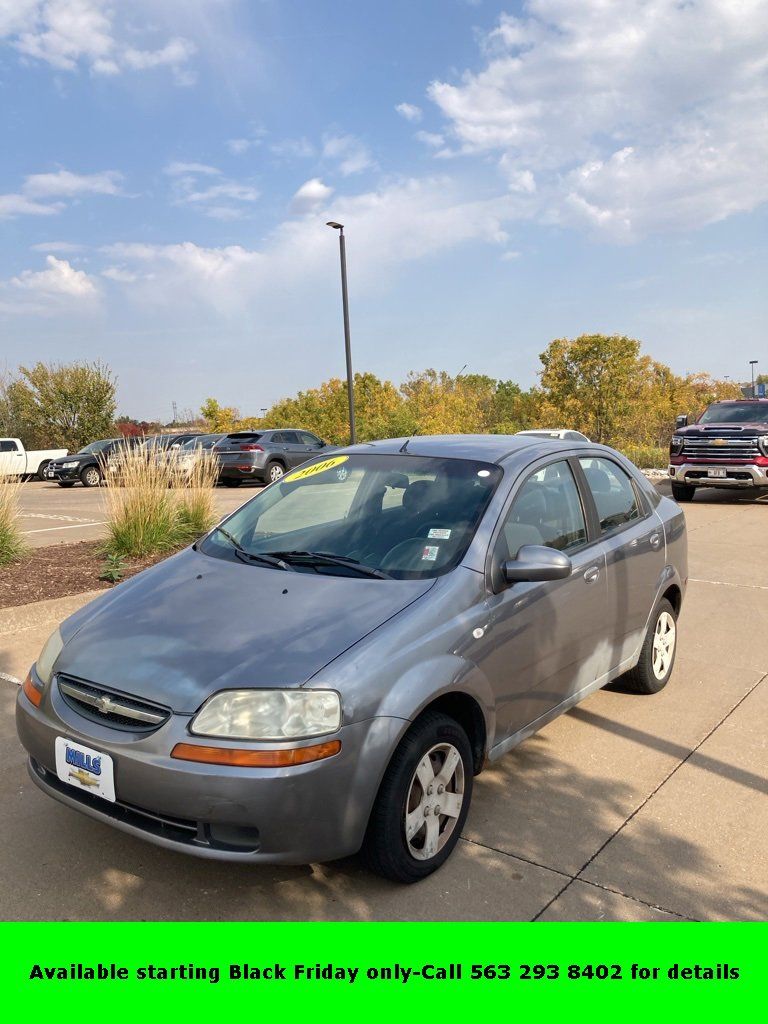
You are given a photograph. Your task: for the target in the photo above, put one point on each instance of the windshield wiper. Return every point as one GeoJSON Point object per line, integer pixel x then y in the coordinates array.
{"type": "Point", "coordinates": [247, 556]}
{"type": "Point", "coordinates": [326, 558]}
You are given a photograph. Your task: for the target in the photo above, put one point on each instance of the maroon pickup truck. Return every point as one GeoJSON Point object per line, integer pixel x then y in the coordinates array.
{"type": "Point", "coordinates": [726, 447]}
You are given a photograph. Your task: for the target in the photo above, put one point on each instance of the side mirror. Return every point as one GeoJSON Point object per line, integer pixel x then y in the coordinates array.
{"type": "Point", "coordinates": [681, 421]}
{"type": "Point", "coordinates": [537, 564]}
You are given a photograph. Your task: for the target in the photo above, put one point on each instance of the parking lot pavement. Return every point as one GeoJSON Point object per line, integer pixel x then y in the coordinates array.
{"type": "Point", "coordinates": [627, 808]}
{"type": "Point", "coordinates": [56, 515]}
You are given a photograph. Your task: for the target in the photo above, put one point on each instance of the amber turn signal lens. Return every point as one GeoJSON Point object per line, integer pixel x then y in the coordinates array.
{"type": "Point", "coordinates": [31, 692]}
{"type": "Point", "coordinates": [239, 758]}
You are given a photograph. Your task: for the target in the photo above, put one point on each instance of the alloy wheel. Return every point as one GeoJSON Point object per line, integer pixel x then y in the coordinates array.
{"type": "Point", "coordinates": [434, 801]}
{"type": "Point", "coordinates": [664, 637]}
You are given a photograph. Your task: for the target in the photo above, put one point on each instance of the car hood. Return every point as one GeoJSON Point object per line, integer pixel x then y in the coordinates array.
{"type": "Point", "coordinates": [756, 429]}
{"type": "Point", "coordinates": [195, 624]}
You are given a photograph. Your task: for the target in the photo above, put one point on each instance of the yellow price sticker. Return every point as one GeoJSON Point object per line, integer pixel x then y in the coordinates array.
{"type": "Point", "coordinates": [315, 468]}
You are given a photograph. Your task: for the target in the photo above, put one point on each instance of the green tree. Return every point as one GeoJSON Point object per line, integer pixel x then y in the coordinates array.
{"type": "Point", "coordinates": [58, 405]}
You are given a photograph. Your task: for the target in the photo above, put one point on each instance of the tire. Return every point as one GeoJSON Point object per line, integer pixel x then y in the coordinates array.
{"type": "Point", "coordinates": [682, 492]}
{"type": "Point", "coordinates": [66, 483]}
{"type": "Point", "coordinates": [40, 474]}
{"type": "Point", "coordinates": [229, 482]}
{"type": "Point", "coordinates": [652, 671]}
{"type": "Point", "coordinates": [275, 471]}
{"type": "Point", "coordinates": [425, 747]}
{"type": "Point", "coordinates": [90, 476]}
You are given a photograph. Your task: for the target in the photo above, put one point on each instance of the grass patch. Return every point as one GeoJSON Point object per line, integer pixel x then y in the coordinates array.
{"type": "Point", "coordinates": [155, 505]}
{"type": "Point", "coordinates": [12, 545]}
{"type": "Point", "coordinates": [646, 456]}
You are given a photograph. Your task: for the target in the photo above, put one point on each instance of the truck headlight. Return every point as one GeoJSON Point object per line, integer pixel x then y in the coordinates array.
{"type": "Point", "coordinates": [47, 659]}
{"type": "Point", "coordinates": [676, 445]}
{"type": "Point", "coordinates": [763, 442]}
{"type": "Point", "coordinates": [269, 714]}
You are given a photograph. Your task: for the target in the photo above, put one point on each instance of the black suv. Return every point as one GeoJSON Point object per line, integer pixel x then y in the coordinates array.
{"type": "Point", "coordinates": [87, 465]}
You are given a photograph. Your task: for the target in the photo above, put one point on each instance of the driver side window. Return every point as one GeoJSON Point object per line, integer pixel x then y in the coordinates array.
{"type": "Point", "coordinates": [547, 510]}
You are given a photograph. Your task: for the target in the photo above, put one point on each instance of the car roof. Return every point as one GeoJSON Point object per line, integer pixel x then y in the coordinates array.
{"type": "Point", "coordinates": [483, 447]}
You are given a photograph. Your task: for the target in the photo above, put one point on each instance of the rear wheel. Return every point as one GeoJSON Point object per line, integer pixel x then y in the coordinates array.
{"type": "Point", "coordinates": [91, 476]}
{"type": "Point", "coordinates": [274, 472]}
{"type": "Point", "coordinates": [657, 658]}
{"type": "Point", "coordinates": [423, 801]}
{"type": "Point", "coordinates": [682, 492]}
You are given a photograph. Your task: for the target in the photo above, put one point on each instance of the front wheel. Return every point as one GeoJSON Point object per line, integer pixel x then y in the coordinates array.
{"type": "Point", "coordinates": [423, 801]}
{"type": "Point", "coordinates": [657, 658]}
{"type": "Point", "coordinates": [42, 468]}
{"type": "Point", "coordinates": [91, 476]}
{"type": "Point", "coordinates": [682, 492]}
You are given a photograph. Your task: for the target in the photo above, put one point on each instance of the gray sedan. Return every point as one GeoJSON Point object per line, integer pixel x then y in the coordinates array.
{"type": "Point", "coordinates": [328, 669]}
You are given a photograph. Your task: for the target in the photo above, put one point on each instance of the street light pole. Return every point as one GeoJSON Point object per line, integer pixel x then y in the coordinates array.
{"type": "Point", "coordinates": [347, 342]}
{"type": "Point", "coordinates": [753, 364]}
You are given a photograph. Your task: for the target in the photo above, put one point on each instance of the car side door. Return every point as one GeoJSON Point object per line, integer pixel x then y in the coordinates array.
{"type": "Point", "coordinates": [311, 444]}
{"type": "Point", "coordinates": [296, 452]}
{"type": "Point", "coordinates": [632, 537]}
{"type": "Point", "coordinates": [544, 642]}
{"type": "Point", "coordinates": [12, 461]}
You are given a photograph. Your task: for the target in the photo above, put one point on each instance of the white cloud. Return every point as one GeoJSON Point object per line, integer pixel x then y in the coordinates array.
{"type": "Point", "coordinates": [119, 274]}
{"type": "Point", "coordinates": [66, 247]}
{"type": "Point", "coordinates": [387, 228]}
{"type": "Point", "coordinates": [178, 167]}
{"type": "Point", "coordinates": [627, 117]}
{"type": "Point", "coordinates": [409, 111]}
{"type": "Point", "coordinates": [225, 190]}
{"type": "Point", "coordinates": [58, 289]}
{"type": "Point", "coordinates": [65, 183]}
{"type": "Point", "coordinates": [310, 195]}
{"type": "Point", "coordinates": [349, 152]}
{"type": "Point", "coordinates": [293, 149]}
{"type": "Point", "coordinates": [15, 205]}
{"type": "Point", "coordinates": [239, 146]}
{"type": "Point", "coordinates": [432, 139]}
{"type": "Point", "coordinates": [93, 33]}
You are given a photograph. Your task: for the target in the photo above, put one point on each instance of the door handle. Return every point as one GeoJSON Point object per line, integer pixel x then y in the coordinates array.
{"type": "Point", "coordinates": [592, 574]}
{"type": "Point", "coordinates": [655, 541]}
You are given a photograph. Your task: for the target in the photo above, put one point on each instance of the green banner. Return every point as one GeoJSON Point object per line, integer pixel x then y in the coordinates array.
{"type": "Point", "coordinates": [122, 971]}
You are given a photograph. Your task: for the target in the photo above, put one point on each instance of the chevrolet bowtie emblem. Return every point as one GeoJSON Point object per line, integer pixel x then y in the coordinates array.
{"type": "Point", "coordinates": [105, 705]}
{"type": "Point", "coordinates": [83, 778]}
{"type": "Point", "coordinates": [718, 442]}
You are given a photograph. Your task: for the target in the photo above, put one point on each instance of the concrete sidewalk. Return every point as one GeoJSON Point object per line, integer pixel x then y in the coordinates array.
{"type": "Point", "coordinates": [627, 808]}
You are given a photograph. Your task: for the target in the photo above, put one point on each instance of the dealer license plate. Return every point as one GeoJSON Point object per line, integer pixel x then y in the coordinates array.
{"type": "Point", "coordinates": [717, 474]}
{"type": "Point", "coordinates": [86, 769]}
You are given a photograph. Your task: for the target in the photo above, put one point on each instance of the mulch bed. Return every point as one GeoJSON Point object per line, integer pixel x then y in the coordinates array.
{"type": "Point", "coordinates": [60, 570]}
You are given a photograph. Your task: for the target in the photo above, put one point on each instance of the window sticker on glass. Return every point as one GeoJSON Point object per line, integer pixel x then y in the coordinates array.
{"type": "Point", "coordinates": [435, 534]}
{"type": "Point", "coordinates": [429, 553]}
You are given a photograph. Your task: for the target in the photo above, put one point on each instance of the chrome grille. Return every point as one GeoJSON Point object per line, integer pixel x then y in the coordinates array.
{"type": "Point", "coordinates": [108, 707]}
{"type": "Point", "coordinates": [720, 449]}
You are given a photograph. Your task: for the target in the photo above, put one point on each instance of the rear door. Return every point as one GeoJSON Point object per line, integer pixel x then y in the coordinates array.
{"type": "Point", "coordinates": [12, 461]}
{"type": "Point", "coordinates": [633, 541]}
{"type": "Point", "coordinates": [295, 452]}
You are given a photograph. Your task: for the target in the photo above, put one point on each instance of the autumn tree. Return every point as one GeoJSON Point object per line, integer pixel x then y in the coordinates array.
{"type": "Point", "coordinates": [59, 405]}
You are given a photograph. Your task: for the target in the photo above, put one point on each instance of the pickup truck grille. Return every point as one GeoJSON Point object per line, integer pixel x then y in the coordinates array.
{"type": "Point", "coordinates": [720, 449]}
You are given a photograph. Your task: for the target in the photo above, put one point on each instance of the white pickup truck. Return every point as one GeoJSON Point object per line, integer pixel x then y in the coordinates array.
{"type": "Point", "coordinates": [15, 460]}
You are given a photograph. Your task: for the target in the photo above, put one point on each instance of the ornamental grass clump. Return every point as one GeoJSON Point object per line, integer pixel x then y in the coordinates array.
{"type": "Point", "coordinates": [153, 505]}
{"type": "Point", "coordinates": [12, 546]}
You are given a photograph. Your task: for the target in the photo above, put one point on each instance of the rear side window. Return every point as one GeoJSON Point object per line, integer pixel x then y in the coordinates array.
{"type": "Point", "coordinates": [7, 446]}
{"type": "Point", "coordinates": [290, 437]}
{"type": "Point", "coordinates": [547, 510]}
{"type": "Point", "coordinates": [614, 493]}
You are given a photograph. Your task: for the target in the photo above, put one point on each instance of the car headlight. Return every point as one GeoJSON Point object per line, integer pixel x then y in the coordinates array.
{"type": "Point", "coordinates": [47, 659]}
{"type": "Point", "coordinates": [676, 445]}
{"type": "Point", "coordinates": [69, 465]}
{"type": "Point", "coordinates": [269, 714]}
{"type": "Point", "coordinates": [763, 442]}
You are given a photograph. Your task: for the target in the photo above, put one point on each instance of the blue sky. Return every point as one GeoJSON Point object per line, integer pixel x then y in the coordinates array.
{"type": "Point", "coordinates": [508, 173]}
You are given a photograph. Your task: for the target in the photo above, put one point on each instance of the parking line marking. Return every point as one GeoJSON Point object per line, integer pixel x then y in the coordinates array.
{"type": "Point", "coordinates": [57, 518]}
{"type": "Point", "coordinates": [52, 529]}
{"type": "Point", "coordinates": [720, 583]}
{"type": "Point", "coordinates": [9, 678]}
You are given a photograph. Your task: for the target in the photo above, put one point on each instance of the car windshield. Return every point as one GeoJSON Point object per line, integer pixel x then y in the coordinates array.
{"type": "Point", "coordinates": [747, 413]}
{"type": "Point", "coordinates": [95, 446]}
{"type": "Point", "coordinates": [396, 516]}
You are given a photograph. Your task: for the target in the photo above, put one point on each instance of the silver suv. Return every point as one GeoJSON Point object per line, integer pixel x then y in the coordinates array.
{"type": "Point", "coordinates": [265, 455]}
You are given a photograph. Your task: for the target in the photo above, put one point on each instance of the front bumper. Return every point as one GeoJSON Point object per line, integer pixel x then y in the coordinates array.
{"type": "Point", "coordinates": [298, 815]}
{"type": "Point", "coordinates": [736, 474]}
{"type": "Point", "coordinates": [58, 473]}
